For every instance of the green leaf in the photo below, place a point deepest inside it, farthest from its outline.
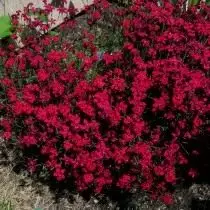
(43, 17)
(5, 26)
(193, 2)
(53, 33)
(174, 1)
(40, 15)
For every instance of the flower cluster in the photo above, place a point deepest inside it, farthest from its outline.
(127, 126)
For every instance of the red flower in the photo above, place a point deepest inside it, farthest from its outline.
(167, 199)
(103, 102)
(98, 82)
(32, 165)
(125, 181)
(9, 63)
(109, 59)
(118, 84)
(88, 178)
(22, 108)
(146, 185)
(160, 103)
(159, 170)
(37, 61)
(7, 129)
(42, 75)
(57, 88)
(56, 56)
(86, 108)
(138, 127)
(170, 175)
(95, 16)
(67, 145)
(12, 94)
(192, 173)
(59, 173)
(28, 141)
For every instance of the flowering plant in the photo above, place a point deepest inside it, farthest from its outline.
(125, 127)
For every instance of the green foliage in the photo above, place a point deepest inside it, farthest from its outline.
(53, 33)
(174, 1)
(43, 17)
(194, 2)
(122, 2)
(6, 205)
(109, 42)
(5, 27)
(40, 15)
(93, 72)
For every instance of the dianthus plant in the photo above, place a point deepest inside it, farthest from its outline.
(127, 126)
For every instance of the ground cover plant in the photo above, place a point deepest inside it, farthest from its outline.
(103, 117)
